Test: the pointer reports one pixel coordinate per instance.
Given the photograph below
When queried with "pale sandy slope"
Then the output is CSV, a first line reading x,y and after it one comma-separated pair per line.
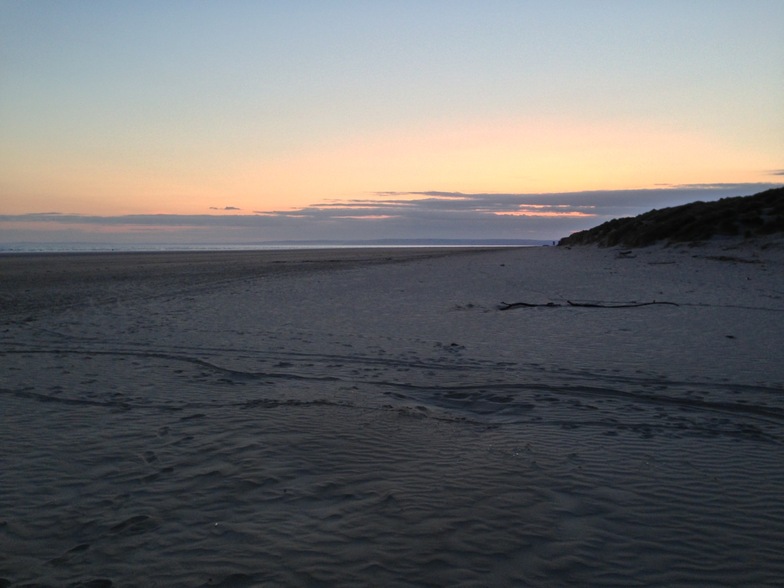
x,y
384,423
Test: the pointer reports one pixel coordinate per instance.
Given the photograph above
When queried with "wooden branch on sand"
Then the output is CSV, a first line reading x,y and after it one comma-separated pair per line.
x,y
508,306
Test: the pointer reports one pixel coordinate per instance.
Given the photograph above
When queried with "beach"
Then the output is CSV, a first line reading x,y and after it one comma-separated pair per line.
x,y
403,417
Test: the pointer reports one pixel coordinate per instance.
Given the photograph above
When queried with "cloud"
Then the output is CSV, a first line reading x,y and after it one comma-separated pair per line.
x,y
598,205
601,202
777,172
386,215
225,208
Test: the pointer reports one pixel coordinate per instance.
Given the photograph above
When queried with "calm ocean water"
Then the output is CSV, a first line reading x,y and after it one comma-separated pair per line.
x,y
270,246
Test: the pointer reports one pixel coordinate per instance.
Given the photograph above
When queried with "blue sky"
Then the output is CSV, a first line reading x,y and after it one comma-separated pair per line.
x,y
291,111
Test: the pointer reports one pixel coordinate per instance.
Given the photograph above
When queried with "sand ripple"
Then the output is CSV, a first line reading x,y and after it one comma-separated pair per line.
x,y
155,443
173,470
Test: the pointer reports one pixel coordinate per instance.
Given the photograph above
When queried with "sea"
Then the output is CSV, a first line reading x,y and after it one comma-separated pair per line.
x,y
106,247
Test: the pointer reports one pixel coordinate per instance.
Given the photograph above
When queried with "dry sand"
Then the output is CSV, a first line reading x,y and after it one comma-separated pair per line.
x,y
370,417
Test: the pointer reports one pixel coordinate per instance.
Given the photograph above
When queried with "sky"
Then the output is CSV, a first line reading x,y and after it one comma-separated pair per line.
x,y
292,119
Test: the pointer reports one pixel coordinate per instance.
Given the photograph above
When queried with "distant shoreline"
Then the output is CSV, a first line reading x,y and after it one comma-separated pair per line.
x,y
55,247
43,279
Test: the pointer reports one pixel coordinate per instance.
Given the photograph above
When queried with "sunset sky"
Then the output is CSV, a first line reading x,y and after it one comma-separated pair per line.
x,y
258,120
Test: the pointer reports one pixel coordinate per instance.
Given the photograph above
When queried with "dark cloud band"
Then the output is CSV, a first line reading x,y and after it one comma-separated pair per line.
x,y
424,214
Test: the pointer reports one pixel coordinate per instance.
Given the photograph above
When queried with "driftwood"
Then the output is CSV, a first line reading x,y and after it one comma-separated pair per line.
x,y
508,306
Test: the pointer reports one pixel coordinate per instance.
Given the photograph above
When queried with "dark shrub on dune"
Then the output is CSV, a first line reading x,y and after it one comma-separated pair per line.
x,y
740,216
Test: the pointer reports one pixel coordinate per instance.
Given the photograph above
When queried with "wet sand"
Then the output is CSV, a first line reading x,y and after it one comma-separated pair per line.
x,y
356,417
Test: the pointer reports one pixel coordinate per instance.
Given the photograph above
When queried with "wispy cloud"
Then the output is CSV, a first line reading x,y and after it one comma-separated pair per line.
x,y
422,214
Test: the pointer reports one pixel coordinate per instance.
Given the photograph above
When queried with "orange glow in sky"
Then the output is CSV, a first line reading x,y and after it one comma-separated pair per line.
x,y
131,108
545,155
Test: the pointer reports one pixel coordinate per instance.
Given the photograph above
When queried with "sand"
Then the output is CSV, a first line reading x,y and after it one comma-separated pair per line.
x,y
370,417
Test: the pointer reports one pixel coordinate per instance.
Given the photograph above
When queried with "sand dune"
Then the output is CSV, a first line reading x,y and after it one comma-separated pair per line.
x,y
371,417
759,216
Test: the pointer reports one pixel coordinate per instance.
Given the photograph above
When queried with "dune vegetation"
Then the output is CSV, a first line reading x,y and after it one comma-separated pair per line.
x,y
743,217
